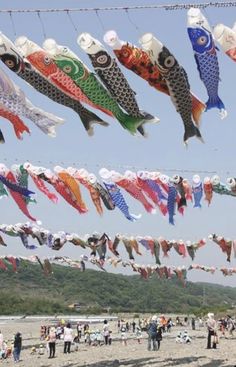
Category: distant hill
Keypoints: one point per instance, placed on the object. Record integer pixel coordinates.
(30, 292)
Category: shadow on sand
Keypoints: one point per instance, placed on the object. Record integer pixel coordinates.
(152, 361)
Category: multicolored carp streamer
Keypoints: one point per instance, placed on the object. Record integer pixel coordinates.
(176, 79)
(99, 244)
(13, 100)
(226, 37)
(205, 55)
(156, 192)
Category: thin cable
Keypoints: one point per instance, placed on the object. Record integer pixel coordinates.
(121, 166)
(13, 24)
(100, 20)
(183, 6)
(130, 20)
(42, 25)
(72, 22)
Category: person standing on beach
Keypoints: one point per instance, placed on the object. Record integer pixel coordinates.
(17, 347)
(68, 338)
(133, 326)
(212, 329)
(152, 334)
(1, 339)
(138, 334)
(123, 334)
(159, 336)
(106, 331)
(52, 342)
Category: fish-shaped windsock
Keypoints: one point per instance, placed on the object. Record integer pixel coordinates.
(226, 37)
(176, 79)
(87, 180)
(133, 189)
(22, 179)
(3, 191)
(193, 247)
(39, 183)
(18, 125)
(72, 186)
(208, 191)
(58, 185)
(18, 197)
(104, 194)
(220, 188)
(13, 185)
(117, 196)
(13, 98)
(112, 77)
(205, 55)
(178, 182)
(12, 58)
(75, 69)
(181, 248)
(150, 189)
(76, 240)
(197, 190)
(44, 63)
(2, 242)
(165, 246)
(171, 202)
(225, 244)
(138, 61)
(231, 181)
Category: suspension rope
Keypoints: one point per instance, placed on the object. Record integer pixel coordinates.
(182, 6)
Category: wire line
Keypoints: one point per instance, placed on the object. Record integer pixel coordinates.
(182, 6)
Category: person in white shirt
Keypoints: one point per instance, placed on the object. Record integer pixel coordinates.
(68, 338)
(212, 330)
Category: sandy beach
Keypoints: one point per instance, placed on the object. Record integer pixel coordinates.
(132, 355)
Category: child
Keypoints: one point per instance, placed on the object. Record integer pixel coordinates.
(123, 334)
(186, 337)
(179, 338)
(138, 334)
(87, 339)
(41, 350)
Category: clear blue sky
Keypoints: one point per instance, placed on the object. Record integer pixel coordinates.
(113, 146)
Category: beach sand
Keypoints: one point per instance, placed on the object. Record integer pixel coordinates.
(132, 355)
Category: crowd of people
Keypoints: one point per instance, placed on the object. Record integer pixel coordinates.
(151, 329)
(11, 348)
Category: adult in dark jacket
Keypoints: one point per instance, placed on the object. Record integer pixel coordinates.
(17, 347)
(152, 334)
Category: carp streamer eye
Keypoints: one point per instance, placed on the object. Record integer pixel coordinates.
(169, 61)
(65, 50)
(125, 53)
(102, 59)
(67, 69)
(202, 40)
(47, 60)
(10, 63)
